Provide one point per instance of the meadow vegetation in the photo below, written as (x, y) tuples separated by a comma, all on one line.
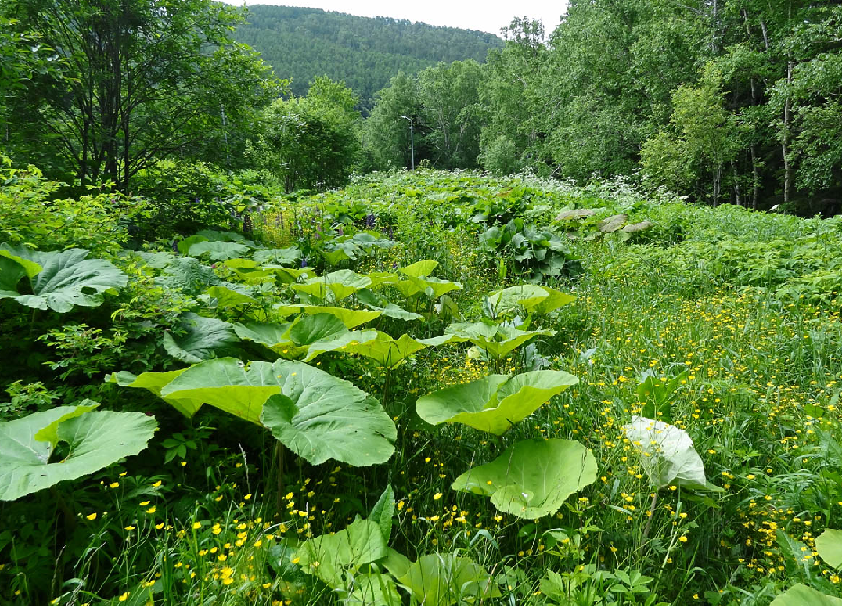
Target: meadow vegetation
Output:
[(425, 388)]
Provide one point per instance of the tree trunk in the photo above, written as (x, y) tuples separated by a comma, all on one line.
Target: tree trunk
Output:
[(785, 145), (755, 178)]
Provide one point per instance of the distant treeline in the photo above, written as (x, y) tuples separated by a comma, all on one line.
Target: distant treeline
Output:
[(721, 100)]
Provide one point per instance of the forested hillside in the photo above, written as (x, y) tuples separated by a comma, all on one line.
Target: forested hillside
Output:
[(303, 43)]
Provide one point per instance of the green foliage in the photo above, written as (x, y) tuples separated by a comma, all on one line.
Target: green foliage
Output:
[(310, 142), (35, 216), (58, 280), (800, 595), (536, 254), (533, 478), (445, 579), (494, 403), (109, 114), (94, 440)]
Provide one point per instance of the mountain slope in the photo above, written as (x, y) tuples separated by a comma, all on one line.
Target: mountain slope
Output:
[(303, 43)]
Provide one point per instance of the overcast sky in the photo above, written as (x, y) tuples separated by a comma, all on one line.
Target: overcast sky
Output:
[(488, 16)]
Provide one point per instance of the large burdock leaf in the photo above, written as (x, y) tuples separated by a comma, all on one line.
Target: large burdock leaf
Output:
[(532, 479), (494, 403), (385, 350), (269, 334), (321, 417), (667, 453), (496, 339), (218, 251), (432, 287), (330, 556), (154, 382), (313, 413), (67, 278), (229, 295), (341, 342), (281, 256), (373, 590), (94, 439), (12, 269), (201, 338), (336, 285), (801, 595), (829, 546), (227, 384), (351, 318), (532, 298), (420, 269), (444, 579)]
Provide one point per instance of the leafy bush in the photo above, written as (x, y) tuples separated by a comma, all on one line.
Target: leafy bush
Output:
[(35, 215)]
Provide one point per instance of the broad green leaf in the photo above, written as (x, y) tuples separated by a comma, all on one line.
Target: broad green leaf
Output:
[(189, 275), (383, 512), (390, 310), (382, 278), (95, 440), (281, 256), (266, 333), (801, 595), (12, 269), (533, 478), (185, 244), (155, 260), (829, 546), (373, 590), (432, 287), (201, 339), (532, 298), (309, 329), (218, 251), (329, 556), (30, 267), (334, 257), (155, 382), (224, 236), (396, 563), (442, 340), (444, 579), (385, 350), (351, 318), (420, 269), (49, 433), (340, 342), (338, 284), (321, 417), (667, 453), (10, 274), (227, 384), (228, 297), (399, 313), (498, 340), (254, 273), (493, 403), (67, 279), (287, 275)]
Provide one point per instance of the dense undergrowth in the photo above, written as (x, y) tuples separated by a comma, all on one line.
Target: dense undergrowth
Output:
[(364, 310)]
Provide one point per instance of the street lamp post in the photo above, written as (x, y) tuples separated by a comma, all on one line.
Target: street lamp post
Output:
[(411, 138)]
